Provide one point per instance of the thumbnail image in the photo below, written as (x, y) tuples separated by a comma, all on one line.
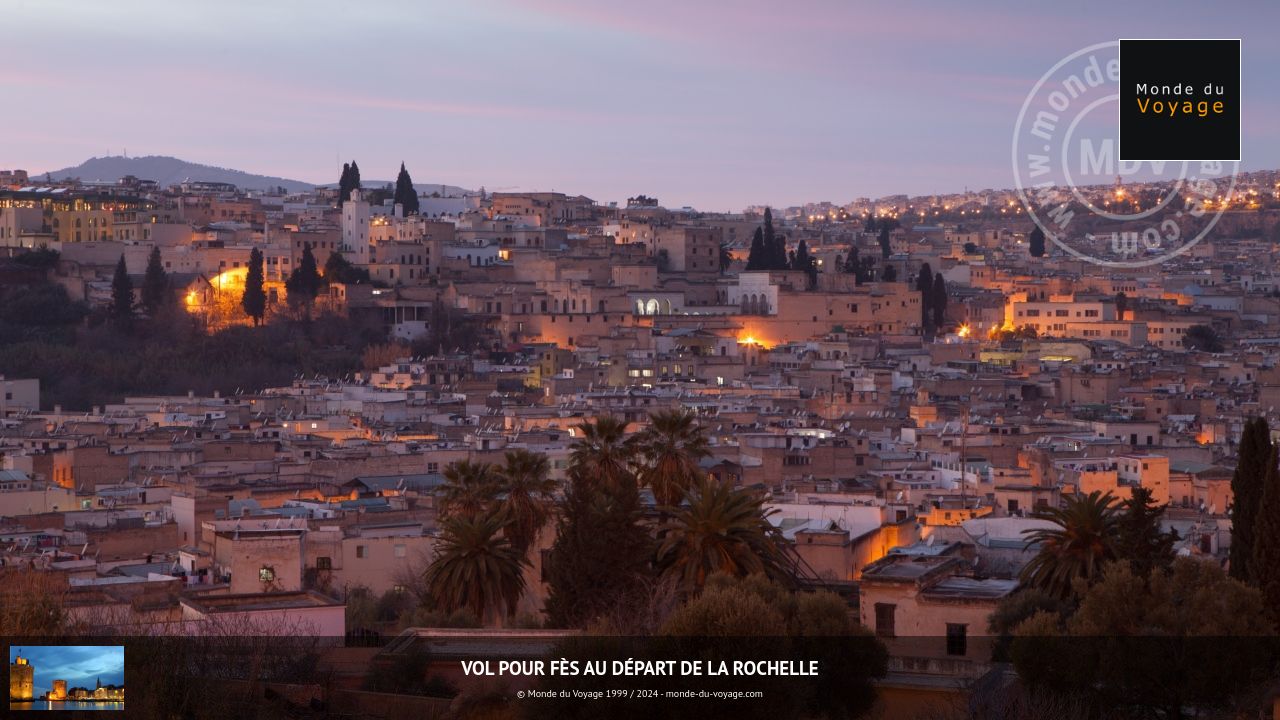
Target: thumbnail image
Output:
[(66, 677)]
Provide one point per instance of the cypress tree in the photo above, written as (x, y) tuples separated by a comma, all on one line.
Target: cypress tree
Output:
[(939, 300), (924, 285), (775, 248), (885, 249), (121, 307), (1265, 564), (355, 176), (756, 259), (155, 285), (405, 195), (601, 555), (304, 282), (1036, 242), (254, 300), (344, 183), (889, 274), (1246, 488)]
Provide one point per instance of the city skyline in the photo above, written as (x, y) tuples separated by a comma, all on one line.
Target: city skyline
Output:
[(823, 102), (79, 665)]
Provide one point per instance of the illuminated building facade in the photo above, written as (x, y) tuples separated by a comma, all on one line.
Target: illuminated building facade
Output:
[(22, 675)]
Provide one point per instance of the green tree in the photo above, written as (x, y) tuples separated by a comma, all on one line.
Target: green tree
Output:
[(890, 273), (1083, 541), (1203, 338), (121, 307), (756, 258), (970, 249), (602, 555), (155, 284), (1190, 637), (469, 488), (337, 269), (476, 567), (938, 300), (720, 529), (1035, 242), (254, 299), (526, 495), (1122, 303), (1246, 489), (406, 196), (304, 283), (1266, 541), (924, 285), (349, 181), (602, 455), (886, 249), (671, 448), (1139, 539)]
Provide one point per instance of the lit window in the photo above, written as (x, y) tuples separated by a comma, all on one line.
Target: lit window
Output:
[(267, 574)]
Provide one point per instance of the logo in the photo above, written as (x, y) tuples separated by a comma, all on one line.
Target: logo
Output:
[(1087, 200)]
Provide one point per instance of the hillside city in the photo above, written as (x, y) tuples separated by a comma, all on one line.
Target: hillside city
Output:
[(392, 420)]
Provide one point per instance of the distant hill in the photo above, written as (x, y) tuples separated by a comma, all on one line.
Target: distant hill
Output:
[(168, 171)]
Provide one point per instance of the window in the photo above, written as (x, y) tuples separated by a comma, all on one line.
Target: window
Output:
[(957, 639), (324, 563), (360, 551), (399, 551), (884, 619), (267, 574)]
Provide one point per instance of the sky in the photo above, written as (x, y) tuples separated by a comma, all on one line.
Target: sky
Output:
[(79, 665), (707, 103)]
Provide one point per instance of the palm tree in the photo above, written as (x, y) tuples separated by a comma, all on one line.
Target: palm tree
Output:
[(469, 488), (671, 447), (602, 454), (526, 495), (1083, 541), (720, 529), (476, 566)]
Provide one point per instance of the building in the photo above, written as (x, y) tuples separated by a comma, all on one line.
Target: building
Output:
[(59, 690), (22, 679)]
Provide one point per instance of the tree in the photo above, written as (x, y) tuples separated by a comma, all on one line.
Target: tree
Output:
[(526, 495), (337, 269), (1122, 302), (121, 307), (885, 248), (775, 246), (671, 448), (924, 285), (721, 529), (1190, 637), (602, 455), (726, 258), (1246, 489), (1203, 338), (889, 274), (1140, 540), (938, 299), (970, 249), (1035, 242), (476, 567), (254, 300), (1083, 541), (1266, 541), (601, 556), (155, 284), (756, 258), (349, 181), (406, 196), (304, 283), (469, 488)]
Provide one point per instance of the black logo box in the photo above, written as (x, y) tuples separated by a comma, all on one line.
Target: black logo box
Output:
[(1186, 65)]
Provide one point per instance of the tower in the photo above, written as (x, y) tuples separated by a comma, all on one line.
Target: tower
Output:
[(22, 676)]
